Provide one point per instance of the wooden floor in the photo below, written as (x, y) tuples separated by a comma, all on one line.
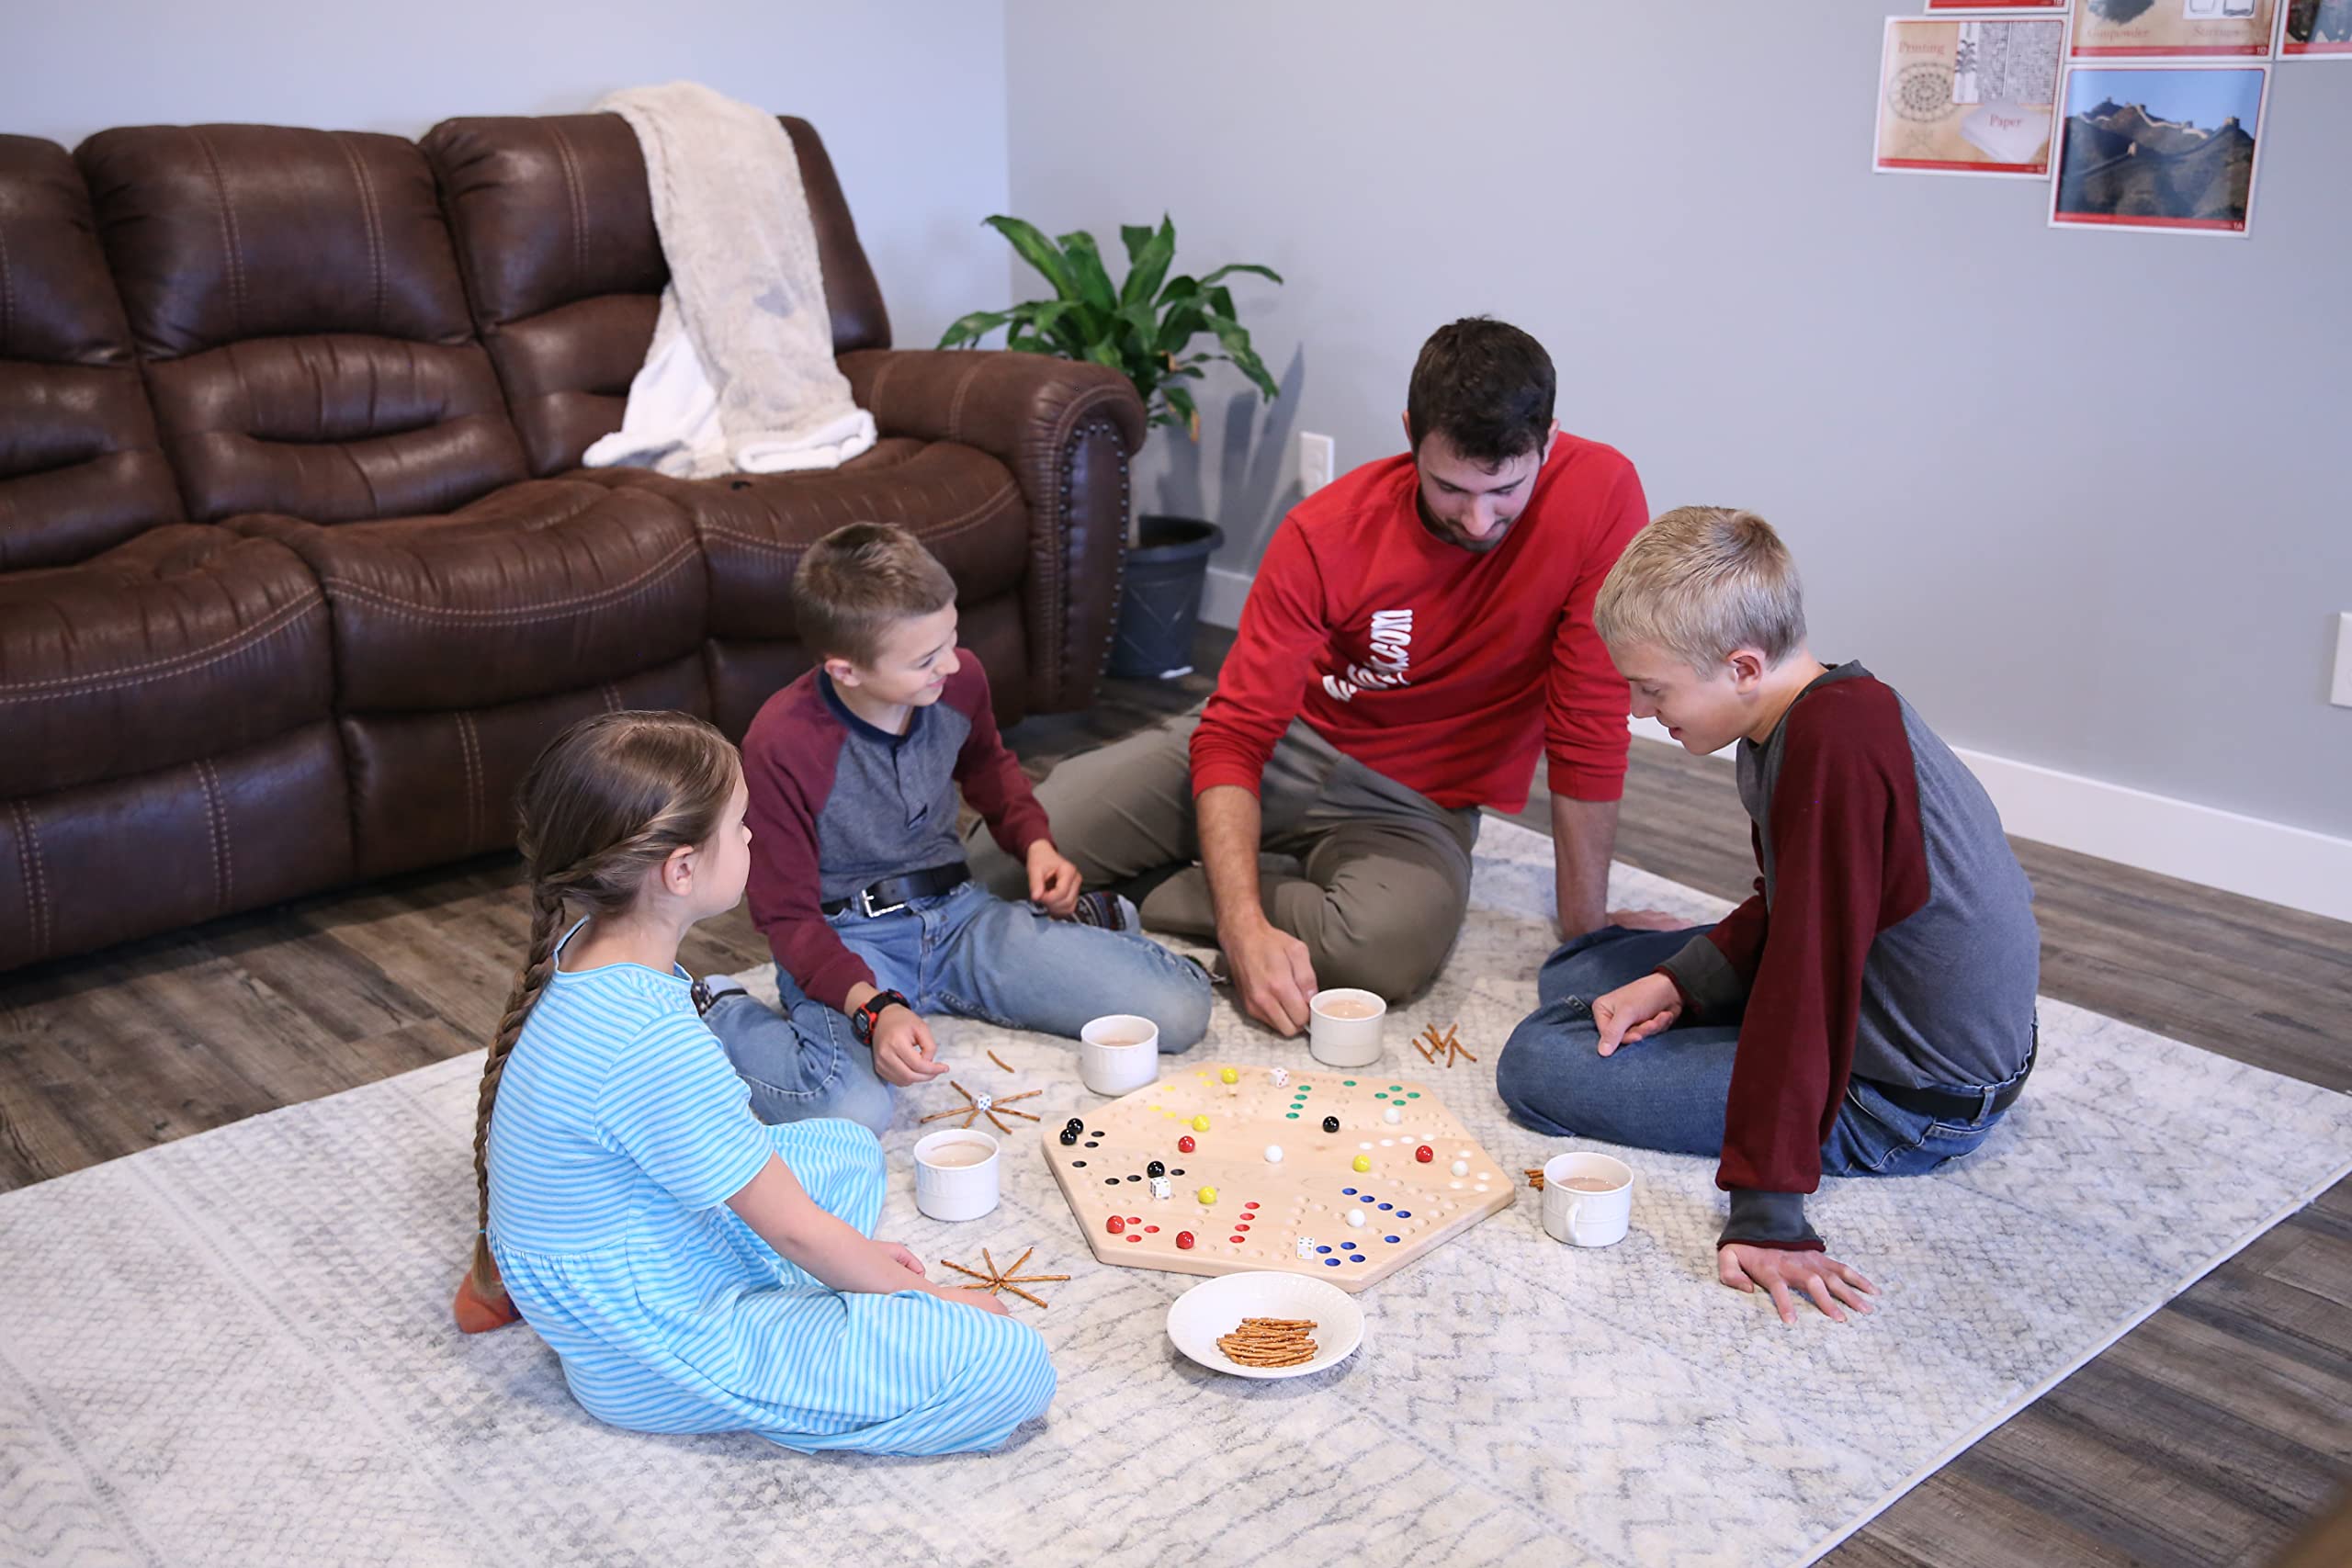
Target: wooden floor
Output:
[(2212, 1434)]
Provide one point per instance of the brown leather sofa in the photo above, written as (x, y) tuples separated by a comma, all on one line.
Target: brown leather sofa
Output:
[(299, 567)]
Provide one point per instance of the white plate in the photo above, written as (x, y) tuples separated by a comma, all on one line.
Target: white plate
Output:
[(1209, 1310)]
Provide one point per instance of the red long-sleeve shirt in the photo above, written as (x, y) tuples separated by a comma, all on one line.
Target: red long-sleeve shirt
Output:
[(1439, 667)]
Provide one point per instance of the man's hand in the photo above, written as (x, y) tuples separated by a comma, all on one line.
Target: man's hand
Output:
[(1272, 974), (1821, 1277), (901, 1257), (1053, 881), (903, 1048), (1646, 921), (1636, 1011)]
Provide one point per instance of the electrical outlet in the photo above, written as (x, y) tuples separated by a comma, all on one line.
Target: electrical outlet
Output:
[(2340, 694), (1318, 462)]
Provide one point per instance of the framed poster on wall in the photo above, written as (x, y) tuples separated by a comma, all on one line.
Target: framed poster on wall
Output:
[(2315, 29), (1974, 97), (2169, 148), (2129, 29)]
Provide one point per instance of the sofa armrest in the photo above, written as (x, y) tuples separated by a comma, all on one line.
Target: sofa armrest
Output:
[(1066, 431)]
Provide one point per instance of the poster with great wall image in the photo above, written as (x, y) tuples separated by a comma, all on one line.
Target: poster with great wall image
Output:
[(2118, 29), (2166, 148), (1968, 98), (2316, 30)]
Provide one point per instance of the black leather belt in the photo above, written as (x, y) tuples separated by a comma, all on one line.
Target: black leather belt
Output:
[(1943, 1105), (893, 893)]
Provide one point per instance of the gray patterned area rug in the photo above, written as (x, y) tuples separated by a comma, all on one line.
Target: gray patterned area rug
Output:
[(236, 1349)]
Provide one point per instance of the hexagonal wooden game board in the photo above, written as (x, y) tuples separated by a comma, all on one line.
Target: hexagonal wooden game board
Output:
[(1262, 1208)]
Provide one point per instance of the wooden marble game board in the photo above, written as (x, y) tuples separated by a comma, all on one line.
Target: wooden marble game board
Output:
[(1263, 1208)]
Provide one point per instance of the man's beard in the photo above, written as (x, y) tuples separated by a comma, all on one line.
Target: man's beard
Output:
[(1445, 533)]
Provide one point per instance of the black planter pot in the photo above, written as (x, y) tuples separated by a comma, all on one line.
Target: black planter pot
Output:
[(1159, 601)]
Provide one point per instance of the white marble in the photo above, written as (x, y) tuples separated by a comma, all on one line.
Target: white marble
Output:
[(236, 1349)]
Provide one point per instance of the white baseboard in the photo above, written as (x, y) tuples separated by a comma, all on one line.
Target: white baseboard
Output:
[(1221, 600), (2270, 861)]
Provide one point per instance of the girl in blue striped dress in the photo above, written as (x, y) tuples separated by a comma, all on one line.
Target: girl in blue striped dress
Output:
[(694, 1270)]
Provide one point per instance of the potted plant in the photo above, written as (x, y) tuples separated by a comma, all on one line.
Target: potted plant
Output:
[(1144, 327)]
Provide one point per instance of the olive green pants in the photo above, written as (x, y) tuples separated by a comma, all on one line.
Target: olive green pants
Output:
[(1382, 871)]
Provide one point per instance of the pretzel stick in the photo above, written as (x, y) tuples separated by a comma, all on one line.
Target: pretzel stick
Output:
[(994, 1273), (1041, 1278), (1009, 1098), (999, 1061), (937, 1114), (1018, 1262), (1024, 1294), (961, 1269), (1466, 1051), (1422, 1049), (959, 1089), (1000, 1126), (1009, 1112), (1535, 1178)]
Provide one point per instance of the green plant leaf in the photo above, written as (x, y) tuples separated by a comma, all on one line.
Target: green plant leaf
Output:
[(1088, 280), (1241, 267), (1148, 265), (1036, 250), (1235, 338), (974, 327), (1180, 402)]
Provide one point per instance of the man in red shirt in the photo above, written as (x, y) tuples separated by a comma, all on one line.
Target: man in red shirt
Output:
[(1418, 632)]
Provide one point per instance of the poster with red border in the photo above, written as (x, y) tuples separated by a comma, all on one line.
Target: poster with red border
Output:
[(2315, 29), (2169, 148), (1968, 96), (2174, 29)]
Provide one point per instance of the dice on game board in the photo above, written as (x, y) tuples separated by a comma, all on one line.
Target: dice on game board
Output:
[(1160, 1188), (1281, 1077), (1306, 1247)]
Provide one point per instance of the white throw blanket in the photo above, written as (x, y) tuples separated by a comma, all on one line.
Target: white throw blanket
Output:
[(740, 373)]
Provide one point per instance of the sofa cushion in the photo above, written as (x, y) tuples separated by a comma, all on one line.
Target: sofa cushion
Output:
[(545, 586), (184, 642), (962, 504), (554, 226), (297, 299), (79, 468)]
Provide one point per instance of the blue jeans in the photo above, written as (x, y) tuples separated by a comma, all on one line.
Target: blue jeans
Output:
[(801, 1063), (1669, 1092), (965, 951)]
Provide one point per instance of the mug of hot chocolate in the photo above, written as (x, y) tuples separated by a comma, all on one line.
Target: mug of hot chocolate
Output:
[(955, 1174), (1343, 1027), (1588, 1199), (1118, 1054)]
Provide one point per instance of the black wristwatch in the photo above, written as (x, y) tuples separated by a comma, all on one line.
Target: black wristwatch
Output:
[(861, 1022)]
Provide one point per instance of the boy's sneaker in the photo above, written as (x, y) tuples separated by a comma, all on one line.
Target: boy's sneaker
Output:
[(711, 987), (1107, 910)]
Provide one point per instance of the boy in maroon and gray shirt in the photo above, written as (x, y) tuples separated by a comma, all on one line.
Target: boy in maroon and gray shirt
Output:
[(1869, 1011)]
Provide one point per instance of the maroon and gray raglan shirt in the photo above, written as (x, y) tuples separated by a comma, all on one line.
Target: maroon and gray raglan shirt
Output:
[(1890, 937), (837, 804)]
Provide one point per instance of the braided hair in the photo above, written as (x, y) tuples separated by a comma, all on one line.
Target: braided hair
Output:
[(607, 802)]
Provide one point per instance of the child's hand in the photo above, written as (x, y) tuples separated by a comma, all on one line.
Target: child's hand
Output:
[(1636, 1011), (903, 1048), (1821, 1277), (901, 1257), (972, 1296), (1053, 881)]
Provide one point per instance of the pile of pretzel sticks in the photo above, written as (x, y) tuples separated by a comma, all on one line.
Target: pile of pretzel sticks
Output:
[(1270, 1342), (1433, 1045)]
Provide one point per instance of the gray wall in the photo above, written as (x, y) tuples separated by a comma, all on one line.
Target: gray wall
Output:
[(2080, 495), (909, 100)]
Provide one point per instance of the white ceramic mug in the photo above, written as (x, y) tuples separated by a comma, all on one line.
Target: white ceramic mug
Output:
[(957, 1192), (1582, 1218), (1345, 1042), (1118, 1054)]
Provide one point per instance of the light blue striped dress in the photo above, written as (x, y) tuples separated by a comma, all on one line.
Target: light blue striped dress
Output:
[(621, 1131)]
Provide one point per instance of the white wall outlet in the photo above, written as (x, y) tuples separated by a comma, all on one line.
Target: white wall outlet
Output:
[(2340, 694), (1317, 461)]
